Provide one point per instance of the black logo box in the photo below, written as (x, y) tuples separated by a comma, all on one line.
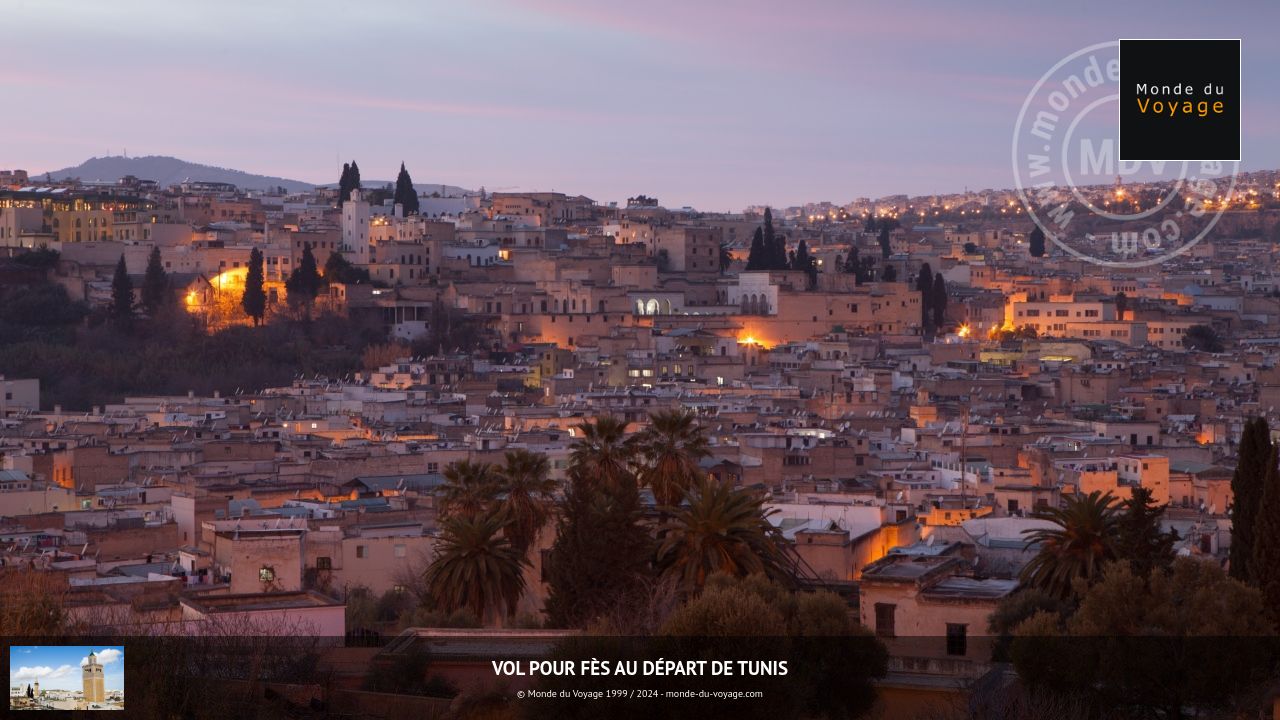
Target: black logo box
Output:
[(1186, 65)]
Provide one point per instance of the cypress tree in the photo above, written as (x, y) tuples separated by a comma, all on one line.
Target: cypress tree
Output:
[(851, 262), (802, 259), (304, 282), (775, 247), (1036, 242), (1265, 564), (355, 176), (924, 285), (344, 183), (924, 281), (889, 274), (121, 307), (1246, 488), (405, 195), (1140, 541), (781, 258), (254, 300), (939, 300), (155, 284), (885, 249), (756, 259), (601, 555)]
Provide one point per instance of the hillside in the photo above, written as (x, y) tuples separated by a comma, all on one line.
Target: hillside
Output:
[(170, 171)]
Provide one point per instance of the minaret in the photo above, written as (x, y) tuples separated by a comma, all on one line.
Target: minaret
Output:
[(93, 690)]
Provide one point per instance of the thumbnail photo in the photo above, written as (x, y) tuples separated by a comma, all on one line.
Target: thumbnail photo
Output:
[(66, 677)]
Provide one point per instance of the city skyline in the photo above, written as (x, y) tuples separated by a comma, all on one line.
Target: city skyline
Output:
[(704, 108), (58, 667)]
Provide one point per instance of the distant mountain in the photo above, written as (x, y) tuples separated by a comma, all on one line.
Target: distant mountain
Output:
[(168, 171)]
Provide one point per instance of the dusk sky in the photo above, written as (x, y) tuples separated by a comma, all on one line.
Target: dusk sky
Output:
[(712, 104)]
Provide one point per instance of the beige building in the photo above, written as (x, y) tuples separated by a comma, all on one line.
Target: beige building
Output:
[(94, 692)]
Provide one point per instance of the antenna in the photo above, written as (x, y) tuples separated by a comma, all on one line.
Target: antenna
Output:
[(964, 483)]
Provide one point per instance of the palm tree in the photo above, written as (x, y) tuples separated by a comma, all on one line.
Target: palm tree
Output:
[(671, 447), (720, 529), (602, 454), (526, 495), (1083, 541), (476, 566), (469, 488)]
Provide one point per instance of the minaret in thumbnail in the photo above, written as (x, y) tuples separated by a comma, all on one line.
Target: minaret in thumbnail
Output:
[(93, 690)]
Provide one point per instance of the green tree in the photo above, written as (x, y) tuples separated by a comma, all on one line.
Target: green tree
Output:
[(1083, 541), (601, 454), (671, 448), (756, 258), (938, 300), (1266, 541), (476, 567), (774, 245), (304, 283), (970, 249), (1122, 303), (1035, 242), (831, 662), (1190, 637), (890, 273), (349, 181), (526, 495), (406, 196), (469, 488), (1203, 338), (730, 607), (254, 299), (726, 258), (1246, 489), (602, 555), (155, 284), (40, 257), (924, 285), (886, 249), (1140, 540), (720, 529), (337, 269), (121, 307)]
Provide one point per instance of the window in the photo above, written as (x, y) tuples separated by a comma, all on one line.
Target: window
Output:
[(957, 639), (399, 551), (360, 551), (267, 574), (884, 619), (324, 563)]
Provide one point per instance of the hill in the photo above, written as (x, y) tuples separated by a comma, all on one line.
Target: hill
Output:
[(168, 171)]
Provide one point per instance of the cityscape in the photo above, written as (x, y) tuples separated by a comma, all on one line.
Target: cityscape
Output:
[(404, 439), (61, 677)]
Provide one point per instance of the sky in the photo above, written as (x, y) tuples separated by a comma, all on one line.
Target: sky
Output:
[(58, 666), (707, 103)]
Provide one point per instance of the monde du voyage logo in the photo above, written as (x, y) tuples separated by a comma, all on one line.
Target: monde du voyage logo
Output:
[(1124, 151)]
